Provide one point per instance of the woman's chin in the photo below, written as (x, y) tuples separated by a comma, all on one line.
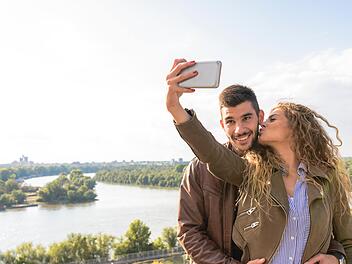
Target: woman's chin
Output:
[(262, 141)]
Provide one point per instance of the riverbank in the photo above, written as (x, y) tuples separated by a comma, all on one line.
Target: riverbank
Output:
[(116, 207)]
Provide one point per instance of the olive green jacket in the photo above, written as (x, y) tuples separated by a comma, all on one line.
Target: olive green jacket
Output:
[(259, 234)]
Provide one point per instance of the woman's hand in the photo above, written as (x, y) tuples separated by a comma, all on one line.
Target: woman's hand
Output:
[(323, 259), (174, 93), (257, 261)]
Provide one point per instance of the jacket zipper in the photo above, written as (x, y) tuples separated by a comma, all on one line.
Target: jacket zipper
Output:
[(248, 212), (251, 226)]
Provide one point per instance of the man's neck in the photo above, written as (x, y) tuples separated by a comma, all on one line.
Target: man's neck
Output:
[(236, 150)]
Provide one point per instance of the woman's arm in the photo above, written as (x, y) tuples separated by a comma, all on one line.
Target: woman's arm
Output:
[(342, 225), (221, 161)]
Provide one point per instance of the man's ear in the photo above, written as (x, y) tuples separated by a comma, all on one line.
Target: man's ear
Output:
[(222, 123), (261, 116)]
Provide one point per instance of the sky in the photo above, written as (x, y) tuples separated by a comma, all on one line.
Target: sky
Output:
[(85, 80)]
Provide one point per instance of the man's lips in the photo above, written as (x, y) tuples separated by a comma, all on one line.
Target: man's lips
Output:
[(242, 138)]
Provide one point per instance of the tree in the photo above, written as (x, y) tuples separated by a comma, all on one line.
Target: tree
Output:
[(11, 185), (6, 173), (25, 253), (137, 236), (79, 248), (169, 236), (136, 239), (18, 196), (158, 243), (72, 188), (7, 199), (179, 167)]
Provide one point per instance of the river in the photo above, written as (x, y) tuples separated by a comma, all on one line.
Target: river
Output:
[(117, 206)]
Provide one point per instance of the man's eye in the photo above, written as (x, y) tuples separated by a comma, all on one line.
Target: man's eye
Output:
[(229, 122), (246, 118)]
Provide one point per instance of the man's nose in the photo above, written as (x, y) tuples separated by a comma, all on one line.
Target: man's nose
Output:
[(239, 129)]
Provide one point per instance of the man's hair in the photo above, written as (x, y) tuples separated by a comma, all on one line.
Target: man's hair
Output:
[(237, 94)]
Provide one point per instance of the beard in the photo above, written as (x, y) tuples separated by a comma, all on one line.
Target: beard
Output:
[(253, 144)]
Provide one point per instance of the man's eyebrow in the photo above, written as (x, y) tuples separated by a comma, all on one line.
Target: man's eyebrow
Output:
[(247, 114), (229, 118)]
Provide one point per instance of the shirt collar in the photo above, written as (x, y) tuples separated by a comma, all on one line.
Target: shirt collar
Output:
[(302, 170)]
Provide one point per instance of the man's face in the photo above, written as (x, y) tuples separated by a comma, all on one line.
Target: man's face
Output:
[(240, 124)]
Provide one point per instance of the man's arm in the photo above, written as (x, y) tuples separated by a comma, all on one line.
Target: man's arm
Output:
[(221, 161), (192, 232)]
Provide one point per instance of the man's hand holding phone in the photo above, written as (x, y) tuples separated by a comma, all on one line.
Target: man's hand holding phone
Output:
[(174, 92), (184, 77)]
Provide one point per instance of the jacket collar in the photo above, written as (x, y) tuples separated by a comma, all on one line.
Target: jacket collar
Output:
[(316, 172), (278, 190), (315, 192)]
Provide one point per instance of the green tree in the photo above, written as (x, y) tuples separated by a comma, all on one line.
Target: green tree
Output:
[(18, 196), (179, 167), (169, 236), (79, 248), (72, 188), (25, 253), (11, 185), (7, 199), (6, 173), (158, 243), (137, 236), (2, 187), (136, 239)]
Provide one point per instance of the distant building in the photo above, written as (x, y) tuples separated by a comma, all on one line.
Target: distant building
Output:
[(23, 159)]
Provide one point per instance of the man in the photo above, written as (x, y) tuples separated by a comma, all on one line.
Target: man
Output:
[(207, 205)]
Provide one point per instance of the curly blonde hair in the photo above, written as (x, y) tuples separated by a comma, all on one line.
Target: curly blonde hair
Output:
[(311, 145)]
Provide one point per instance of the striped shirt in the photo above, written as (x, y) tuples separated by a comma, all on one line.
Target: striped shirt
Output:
[(294, 239)]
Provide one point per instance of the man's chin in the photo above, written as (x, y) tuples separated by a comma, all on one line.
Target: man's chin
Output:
[(242, 147)]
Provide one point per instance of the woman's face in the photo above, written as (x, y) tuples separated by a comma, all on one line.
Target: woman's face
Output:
[(275, 130)]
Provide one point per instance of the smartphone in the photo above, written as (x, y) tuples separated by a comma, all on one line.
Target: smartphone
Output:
[(208, 75)]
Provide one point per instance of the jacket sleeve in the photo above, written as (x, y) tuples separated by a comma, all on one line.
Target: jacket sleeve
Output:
[(192, 233), (221, 161), (336, 247), (342, 225)]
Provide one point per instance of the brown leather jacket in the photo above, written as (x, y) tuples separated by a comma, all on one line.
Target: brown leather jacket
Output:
[(206, 215), (195, 219)]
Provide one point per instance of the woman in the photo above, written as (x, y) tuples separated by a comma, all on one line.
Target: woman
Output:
[(294, 191)]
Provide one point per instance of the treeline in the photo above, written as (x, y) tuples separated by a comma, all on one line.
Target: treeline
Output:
[(71, 188), (48, 170), (100, 247), (163, 176), (39, 169)]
